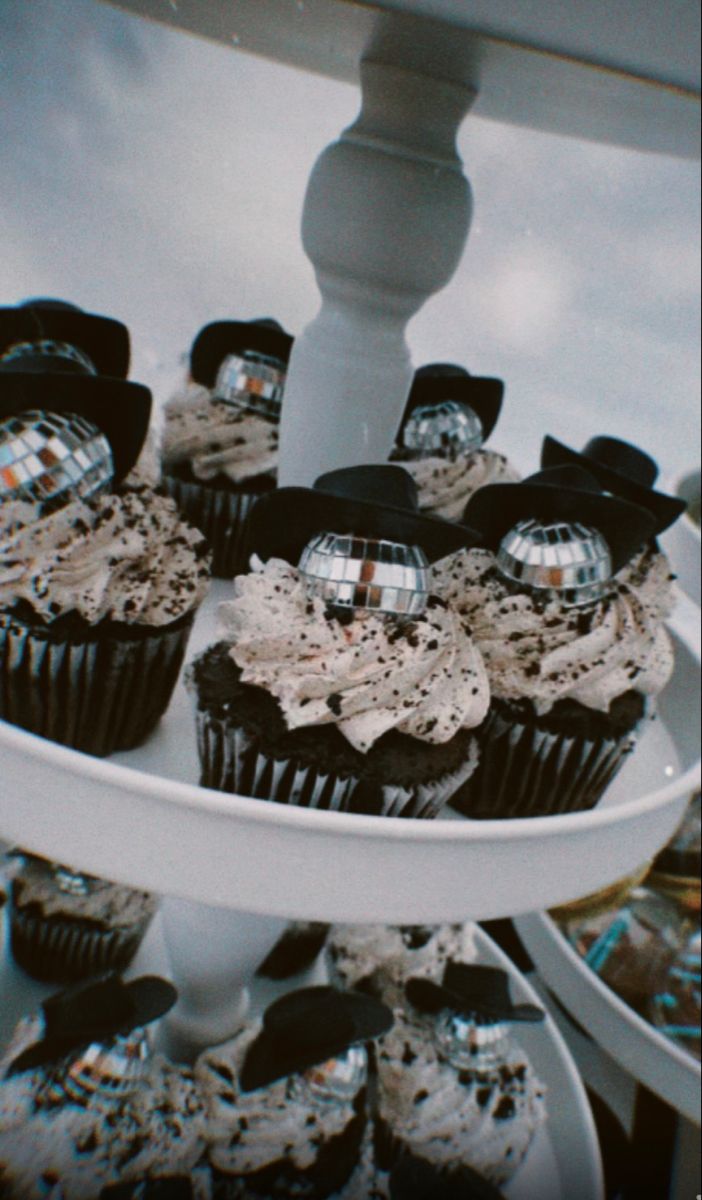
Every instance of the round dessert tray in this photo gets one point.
(141, 819)
(648, 1055)
(563, 1162)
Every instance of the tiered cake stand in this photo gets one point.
(385, 220)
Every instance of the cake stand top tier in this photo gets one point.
(627, 73)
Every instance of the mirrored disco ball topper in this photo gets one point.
(336, 1081)
(447, 429)
(51, 458)
(252, 381)
(353, 572)
(569, 560)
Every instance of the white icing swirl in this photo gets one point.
(251, 1130)
(445, 485)
(127, 557)
(538, 649)
(487, 1124)
(381, 958)
(217, 438)
(424, 677)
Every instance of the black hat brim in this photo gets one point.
(282, 522)
(220, 338)
(416, 1179)
(481, 393)
(150, 998)
(121, 410)
(104, 340)
(343, 1020)
(494, 510)
(663, 509)
(431, 997)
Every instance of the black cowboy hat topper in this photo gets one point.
(43, 334)
(307, 1027)
(567, 494)
(375, 502)
(416, 1179)
(262, 335)
(622, 469)
(470, 990)
(437, 382)
(95, 1011)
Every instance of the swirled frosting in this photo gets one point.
(449, 1118)
(381, 958)
(127, 557)
(535, 648)
(445, 485)
(371, 674)
(216, 438)
(158, 1129)
(251, 1130)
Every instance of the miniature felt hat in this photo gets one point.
(470, 990)
(161, 1187)
(93, 1011)
(378, 502)
(103, 340)
(566, 493)
(121, 410)
(215, 341)
(416, 1179)
(307, 1027)
(621, 469)
(447, 381)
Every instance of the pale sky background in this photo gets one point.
(158, 178)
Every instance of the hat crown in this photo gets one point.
(481, 987)
(105, 1002)
(624, 458)
(378, 484)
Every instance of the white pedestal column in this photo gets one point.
(385, 221)
(213, 955)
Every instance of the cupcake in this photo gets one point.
(220, 436)
(341, 682)
(566, 603)
(379, 959)
(286, 1098)
(448, 417)
(66, 926)
(454, 1089)
(99, 584)
(84, 1104)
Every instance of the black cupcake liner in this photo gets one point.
(232, 760)
(525, 771)
(100, 694)
(63, 949)
(222, 518)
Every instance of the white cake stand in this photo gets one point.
(385, 220)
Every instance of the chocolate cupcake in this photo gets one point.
(86, 1104)
(286, 1098)
(448, 417)
(454, 1089)
(567, 604)
(341, 683)
(99, 584)
(220, 437)
(66, 926)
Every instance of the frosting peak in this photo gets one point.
(216, 438)
(367, 674)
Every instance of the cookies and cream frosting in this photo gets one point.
(449, 1118)
(215, 438)
(368, 674)
(536, 648)
(445, 485)
(126, 556)
(250, 1130)
(381, 958)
